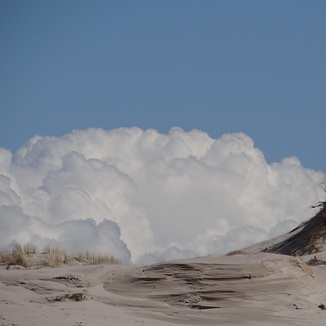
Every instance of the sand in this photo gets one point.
(250, 289)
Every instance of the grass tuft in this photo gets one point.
(15, 257)
(53, 256)
(30, 249)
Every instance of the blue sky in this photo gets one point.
(256, 67)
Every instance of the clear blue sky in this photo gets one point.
(220, 66)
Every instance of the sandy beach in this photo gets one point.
(249, 289)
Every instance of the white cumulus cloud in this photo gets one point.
(146, 196)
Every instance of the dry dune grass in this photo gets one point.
(51, 256)
(54, 256)
(236, 252)
(94, 258)
(17, 256)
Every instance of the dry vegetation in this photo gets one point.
(51, 256)
(93, 258)
(17, 256)
(236, 252)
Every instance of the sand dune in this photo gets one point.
(251, 289)
(308, 238)
(256, 287)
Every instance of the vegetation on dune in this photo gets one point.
(94, 258)
(17, 256)
(51, 256)
(236, 252)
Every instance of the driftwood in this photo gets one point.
(315, 261)
(72, 297)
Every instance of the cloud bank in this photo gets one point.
(145, 196)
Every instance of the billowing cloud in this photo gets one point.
(146, 196)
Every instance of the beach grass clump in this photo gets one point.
(96, 258)
(105, 259)
(53, 256)
(16, 257)
(30, 249)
